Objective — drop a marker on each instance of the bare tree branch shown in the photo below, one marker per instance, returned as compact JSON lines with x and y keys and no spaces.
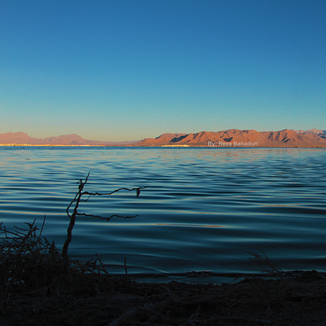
{"x":107,"y":218}
{"x":75,"y":204}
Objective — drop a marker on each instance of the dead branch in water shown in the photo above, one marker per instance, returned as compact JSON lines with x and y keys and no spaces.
{"x":76,"y":201}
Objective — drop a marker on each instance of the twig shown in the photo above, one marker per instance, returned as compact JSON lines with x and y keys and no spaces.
{"x":103,"y":267}
{"x":126,"y":267}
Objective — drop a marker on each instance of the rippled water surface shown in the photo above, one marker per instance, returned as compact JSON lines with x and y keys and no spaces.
{"x":202,"y":211}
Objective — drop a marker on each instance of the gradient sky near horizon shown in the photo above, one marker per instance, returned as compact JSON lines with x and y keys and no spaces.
{"x":130,"y":69}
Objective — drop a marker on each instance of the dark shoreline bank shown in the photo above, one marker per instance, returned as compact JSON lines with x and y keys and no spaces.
{"x":89,"y":299}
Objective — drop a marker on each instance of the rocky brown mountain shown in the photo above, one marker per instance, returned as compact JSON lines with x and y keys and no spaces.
{"x":241,"y":138}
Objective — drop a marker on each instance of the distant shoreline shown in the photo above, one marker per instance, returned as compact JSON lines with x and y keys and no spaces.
{"x":48,"y":145}
{"x":156,"y":146}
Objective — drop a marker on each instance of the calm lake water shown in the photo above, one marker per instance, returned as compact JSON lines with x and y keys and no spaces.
{"x":204,"y":208}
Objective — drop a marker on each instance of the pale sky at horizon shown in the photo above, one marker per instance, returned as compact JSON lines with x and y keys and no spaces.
{"x":127,"y":69}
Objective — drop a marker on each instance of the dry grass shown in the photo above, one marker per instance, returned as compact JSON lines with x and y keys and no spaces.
{"x":267,"y":265}
{"x":31,"y":264}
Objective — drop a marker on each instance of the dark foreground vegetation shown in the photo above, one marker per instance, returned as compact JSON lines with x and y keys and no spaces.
{"x":39,"y":285}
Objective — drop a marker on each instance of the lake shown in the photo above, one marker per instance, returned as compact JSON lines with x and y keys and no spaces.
{"x":203,"y":208}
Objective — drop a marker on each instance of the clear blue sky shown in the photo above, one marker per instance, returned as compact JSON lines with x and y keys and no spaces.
{"x":131,"y":69}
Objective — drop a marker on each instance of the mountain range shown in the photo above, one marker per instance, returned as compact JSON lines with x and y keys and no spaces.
{"x":22,"y":138}
{"x":242,"y":138}
{"x":224,"y":138}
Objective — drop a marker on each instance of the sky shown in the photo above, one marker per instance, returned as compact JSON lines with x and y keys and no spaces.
{"x":119,"y":70}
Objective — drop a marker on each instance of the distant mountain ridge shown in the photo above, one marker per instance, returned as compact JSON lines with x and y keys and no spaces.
{"x":224,"y":138}
{"x":311,"y":131}
{"x":22,"y":138}
{"x":241,"y":138}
